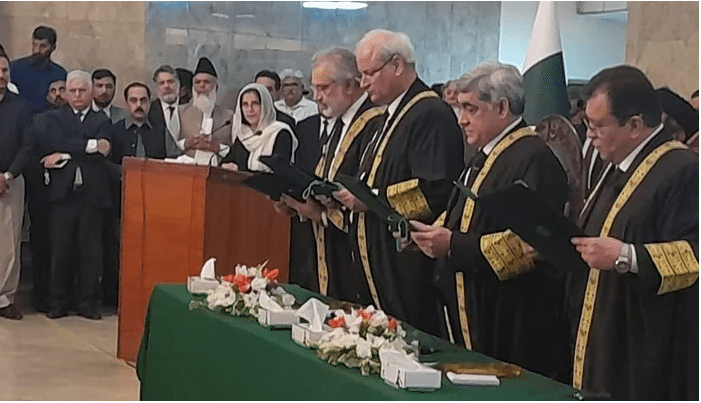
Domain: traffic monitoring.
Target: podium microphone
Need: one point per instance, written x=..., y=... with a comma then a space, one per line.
x=228, y=122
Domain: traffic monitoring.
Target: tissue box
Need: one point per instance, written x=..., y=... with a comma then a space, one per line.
x=285, y=318
x=301, y=332
x=405, y=373
x=197, y=285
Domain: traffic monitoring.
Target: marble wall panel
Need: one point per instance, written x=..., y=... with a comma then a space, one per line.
x=663, y=41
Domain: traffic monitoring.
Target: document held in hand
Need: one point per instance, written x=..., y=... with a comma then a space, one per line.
x=312, y=184
x=535, y=221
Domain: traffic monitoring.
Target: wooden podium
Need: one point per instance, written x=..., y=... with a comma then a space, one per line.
x=174, y=218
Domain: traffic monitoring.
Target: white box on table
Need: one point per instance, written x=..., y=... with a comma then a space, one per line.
x=197, y=285
x=284, y=318
x=301, y=333
x=405, y=373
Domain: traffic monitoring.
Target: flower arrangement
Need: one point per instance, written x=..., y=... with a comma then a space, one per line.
x=357, y=338
x=239, y=293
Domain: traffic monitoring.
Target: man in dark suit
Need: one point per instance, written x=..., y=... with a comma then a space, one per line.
x=74, y=144
x=164, y=112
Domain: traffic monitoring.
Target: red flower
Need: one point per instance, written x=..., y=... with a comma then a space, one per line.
x=365, y=315
x=392, y=324
x=338, y=321
x=229, y=278
x=271, y=274
x=242, y=282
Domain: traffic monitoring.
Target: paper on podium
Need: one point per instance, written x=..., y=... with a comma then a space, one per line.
x=314, y=312
x=203, y=157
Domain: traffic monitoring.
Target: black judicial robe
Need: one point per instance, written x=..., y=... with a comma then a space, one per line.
x=643, y=342
x=335, y=259
x=417, y=162
x=518, y=317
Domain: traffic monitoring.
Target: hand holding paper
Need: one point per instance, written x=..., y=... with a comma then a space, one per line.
x=434, y=242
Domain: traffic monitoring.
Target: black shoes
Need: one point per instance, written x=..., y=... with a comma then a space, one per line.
x=11, y=312
x=91, y=313
x=57, y=313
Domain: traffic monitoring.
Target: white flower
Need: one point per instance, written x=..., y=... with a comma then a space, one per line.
x=288, y=299
x=370, y=309
x=259, y=283
x=379, y=319
x=240, y=269
x=363, y=349
x=354, y=324
x=250, y=300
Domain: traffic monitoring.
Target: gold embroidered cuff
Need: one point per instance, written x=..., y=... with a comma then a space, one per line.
x=408, y=199
x=336, y=218
x=440, y=221
x=676, y=264
x=504, y=252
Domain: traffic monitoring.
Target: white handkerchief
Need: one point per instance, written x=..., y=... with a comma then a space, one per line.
x=314, y=312
x=267, y=303
x=207, y=272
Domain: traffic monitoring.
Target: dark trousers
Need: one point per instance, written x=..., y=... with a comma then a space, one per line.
x=39, y=233
x=110, y=278
x=74, y=222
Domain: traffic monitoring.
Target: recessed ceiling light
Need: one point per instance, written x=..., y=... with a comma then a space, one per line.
x=335, y=5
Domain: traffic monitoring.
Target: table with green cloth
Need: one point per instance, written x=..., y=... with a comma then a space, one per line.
x=196, y=354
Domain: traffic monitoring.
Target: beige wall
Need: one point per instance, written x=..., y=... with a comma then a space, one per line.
x=90, y=35
x=663, y=40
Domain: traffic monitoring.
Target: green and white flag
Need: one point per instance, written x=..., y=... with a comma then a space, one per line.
x=544, y=68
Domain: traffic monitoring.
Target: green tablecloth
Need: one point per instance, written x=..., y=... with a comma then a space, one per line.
x=202, y=355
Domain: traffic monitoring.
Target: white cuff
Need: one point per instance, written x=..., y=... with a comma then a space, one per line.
x=633, y=260
x=181, y=144
x=223, y=150
x=91, y=147
x=8, y=176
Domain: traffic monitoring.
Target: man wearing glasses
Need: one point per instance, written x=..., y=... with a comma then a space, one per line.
x=635, y=312
x=410, y=162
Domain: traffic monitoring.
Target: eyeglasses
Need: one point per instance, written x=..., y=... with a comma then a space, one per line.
x=594, y=128
x=375, y=71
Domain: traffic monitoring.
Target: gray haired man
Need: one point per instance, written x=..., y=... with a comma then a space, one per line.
x=499, y=301
x=292, y=102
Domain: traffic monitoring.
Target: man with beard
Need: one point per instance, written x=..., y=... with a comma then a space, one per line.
x=57, y=92
x=164, y=112
x=335, y=79
x=17, y=142
x=410, y=161
x=293, y=102
x=34, y=73
x=635, y=311
x=500, y=302
x=205, y=126
x=104, y=84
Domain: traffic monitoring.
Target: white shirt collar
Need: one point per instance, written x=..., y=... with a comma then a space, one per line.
x=84, y=111
x=392, y=107
x=107, y=109
x=352, y=110
x=627, y=161
x=493, y=143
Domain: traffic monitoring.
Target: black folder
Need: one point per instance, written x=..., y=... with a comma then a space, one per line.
x=535, y=221
x=395, y=221
x=312, y=184
x=274, y=185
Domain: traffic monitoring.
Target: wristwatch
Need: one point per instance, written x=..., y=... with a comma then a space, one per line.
x=622, y=264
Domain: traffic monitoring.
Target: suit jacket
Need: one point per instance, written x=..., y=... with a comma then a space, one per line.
x=65, y=133
x=191, y=121
x=117, y=113
x=309, y=147
x=285, y=118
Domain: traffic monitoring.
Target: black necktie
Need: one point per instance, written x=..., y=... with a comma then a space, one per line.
x=369, y=153
x=458, y=199
x=324, y=133
x=330, y=148
x=171, y=109
x=80, y=116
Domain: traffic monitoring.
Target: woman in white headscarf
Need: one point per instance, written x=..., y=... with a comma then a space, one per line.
x=256, y=133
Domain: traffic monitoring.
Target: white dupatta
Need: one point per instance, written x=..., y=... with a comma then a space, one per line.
x=261, y=141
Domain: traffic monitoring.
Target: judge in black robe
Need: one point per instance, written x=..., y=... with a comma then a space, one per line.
x=410, y=160
x=499, y=301
x=635, y=318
